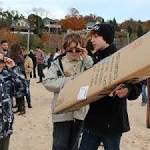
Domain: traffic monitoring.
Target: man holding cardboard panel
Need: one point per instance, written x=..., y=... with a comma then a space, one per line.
x=107, y=118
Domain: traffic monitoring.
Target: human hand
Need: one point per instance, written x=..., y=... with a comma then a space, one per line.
x=121, y=91
x=83, y=52
x=1, y=56
x=9, y=62
x=67, y=74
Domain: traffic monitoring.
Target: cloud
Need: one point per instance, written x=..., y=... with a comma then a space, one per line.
x=106, y=8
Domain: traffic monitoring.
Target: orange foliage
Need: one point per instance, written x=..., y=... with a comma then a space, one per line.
x=147, y=25
x=9, y=36
x=132, y=23
x=45, y=37
x=74, y=23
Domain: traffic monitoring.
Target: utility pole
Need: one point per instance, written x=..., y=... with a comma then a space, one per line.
x=49, y=32
x=28, y=39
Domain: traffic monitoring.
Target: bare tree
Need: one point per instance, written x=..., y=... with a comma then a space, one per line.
x=73, y=12
x=39, y=11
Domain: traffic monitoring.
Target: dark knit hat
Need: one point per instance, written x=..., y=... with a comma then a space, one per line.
x=105, y=30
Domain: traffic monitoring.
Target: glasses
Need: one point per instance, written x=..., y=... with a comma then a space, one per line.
x=2, y=62
x=77, y=50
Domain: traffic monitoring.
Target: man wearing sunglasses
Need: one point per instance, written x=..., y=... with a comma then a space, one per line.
x=67, y=126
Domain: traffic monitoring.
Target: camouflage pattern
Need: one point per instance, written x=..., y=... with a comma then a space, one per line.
x=11, y=84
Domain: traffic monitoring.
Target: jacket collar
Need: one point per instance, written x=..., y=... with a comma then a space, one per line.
x=101, y=54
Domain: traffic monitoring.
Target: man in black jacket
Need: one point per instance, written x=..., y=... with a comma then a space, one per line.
x=107, y=118
x=33, y=57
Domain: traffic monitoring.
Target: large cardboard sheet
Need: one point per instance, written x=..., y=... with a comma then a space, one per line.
x=129, y=64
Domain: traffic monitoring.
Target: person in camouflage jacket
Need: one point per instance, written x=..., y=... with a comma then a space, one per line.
x=11, y=84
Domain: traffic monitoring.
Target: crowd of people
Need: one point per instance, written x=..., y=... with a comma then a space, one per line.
x=17, y=67
x=101, y=122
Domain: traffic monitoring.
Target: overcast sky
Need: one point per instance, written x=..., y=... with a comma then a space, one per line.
x=108, y=9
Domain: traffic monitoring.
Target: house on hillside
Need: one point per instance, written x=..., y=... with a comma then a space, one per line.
x=88, y=27
x=52, y=26
x=21, y=26
x=90, y=24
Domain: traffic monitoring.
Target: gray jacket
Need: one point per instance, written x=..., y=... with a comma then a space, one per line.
x=54, y=82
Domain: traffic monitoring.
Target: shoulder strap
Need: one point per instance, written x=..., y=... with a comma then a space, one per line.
x=60, y=63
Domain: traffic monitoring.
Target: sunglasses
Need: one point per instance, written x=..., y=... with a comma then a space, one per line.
x=77, y=50
x=2, y=62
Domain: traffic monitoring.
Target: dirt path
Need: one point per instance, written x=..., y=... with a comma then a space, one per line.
x=33, y=130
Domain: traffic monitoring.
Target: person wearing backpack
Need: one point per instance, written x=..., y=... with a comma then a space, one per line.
x=67, y=126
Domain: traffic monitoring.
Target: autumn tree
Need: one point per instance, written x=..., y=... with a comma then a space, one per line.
x=45, y=37
x=93, y=18
x=73, y=20
x=10, y=37
x=73, y=23
x=146, y=25
x=132, y=23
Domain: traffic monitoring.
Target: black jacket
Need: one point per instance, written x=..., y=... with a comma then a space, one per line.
x=33, y=57
x=109, y=115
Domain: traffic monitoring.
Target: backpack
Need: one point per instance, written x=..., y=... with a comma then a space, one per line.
x=59, y=73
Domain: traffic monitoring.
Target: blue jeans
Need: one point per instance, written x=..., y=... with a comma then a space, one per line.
x=66, y=135
x=144, y=95
x=90, y=141
x=76, y=131
x=28, y=95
